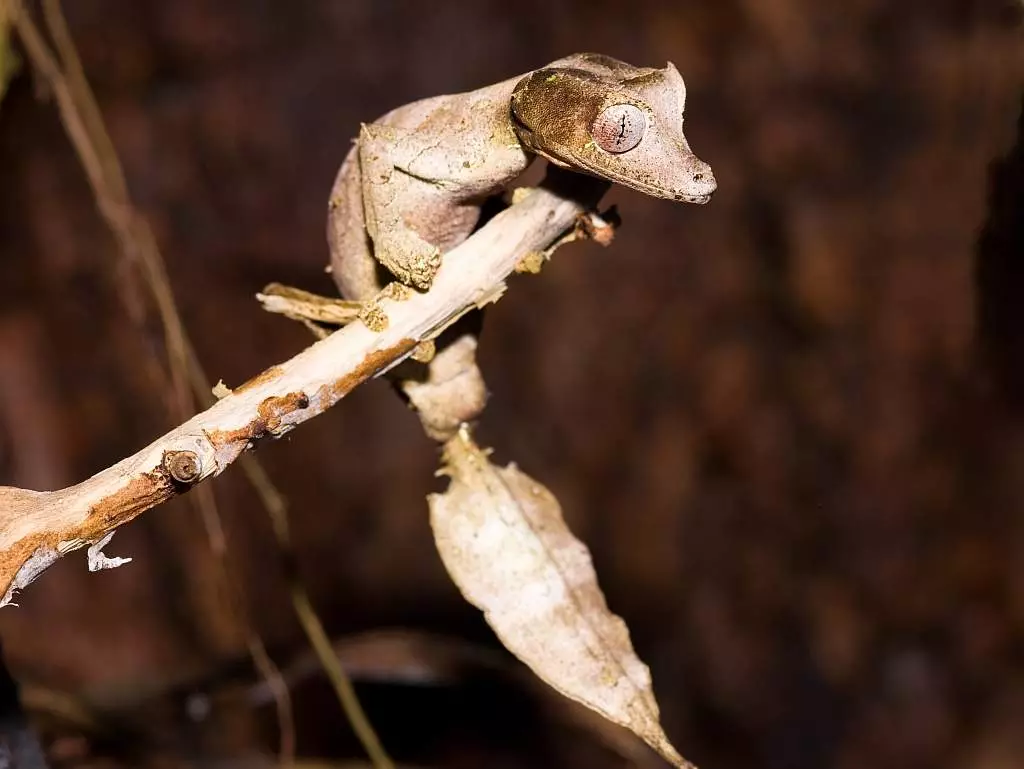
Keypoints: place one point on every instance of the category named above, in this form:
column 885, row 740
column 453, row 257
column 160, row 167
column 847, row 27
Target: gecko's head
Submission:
column 601, row 116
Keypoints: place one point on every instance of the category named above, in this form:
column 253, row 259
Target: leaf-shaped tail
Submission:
column 504, row 542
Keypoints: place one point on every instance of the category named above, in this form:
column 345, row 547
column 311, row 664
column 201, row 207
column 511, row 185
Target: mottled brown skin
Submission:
column 412, row 186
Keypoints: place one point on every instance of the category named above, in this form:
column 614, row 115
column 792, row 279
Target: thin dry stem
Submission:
column 340, row 681
column 92, row 142
column 133, row 231
column 8, row 61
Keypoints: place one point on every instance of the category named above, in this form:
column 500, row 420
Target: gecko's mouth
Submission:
column 698, row 199
column 666, row 193
column 582, row 164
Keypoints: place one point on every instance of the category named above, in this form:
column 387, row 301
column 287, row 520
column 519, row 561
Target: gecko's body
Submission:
column 412, row 186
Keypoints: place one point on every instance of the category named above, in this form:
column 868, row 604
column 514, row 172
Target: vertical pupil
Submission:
column 619, row 128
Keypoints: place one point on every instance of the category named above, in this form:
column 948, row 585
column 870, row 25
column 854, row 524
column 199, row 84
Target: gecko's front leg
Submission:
column 387, row 192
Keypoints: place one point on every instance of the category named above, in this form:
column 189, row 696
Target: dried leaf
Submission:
column 504, row 542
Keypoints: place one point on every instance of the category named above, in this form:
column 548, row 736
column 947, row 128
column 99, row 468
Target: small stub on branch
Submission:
column 183, row 466
column 220, row 390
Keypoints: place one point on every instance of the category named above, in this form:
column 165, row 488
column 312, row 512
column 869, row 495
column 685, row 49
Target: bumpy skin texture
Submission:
column 412, row 186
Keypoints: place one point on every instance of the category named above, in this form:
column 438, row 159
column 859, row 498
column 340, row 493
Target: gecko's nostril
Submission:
column 698, row 177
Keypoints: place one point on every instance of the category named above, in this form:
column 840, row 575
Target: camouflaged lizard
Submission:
column 412, row 186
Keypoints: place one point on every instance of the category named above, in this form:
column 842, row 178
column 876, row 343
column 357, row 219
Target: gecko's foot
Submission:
column 424, row 351
column 532, row 262
column 411, row 259
column 372, row 313
column 375, row 318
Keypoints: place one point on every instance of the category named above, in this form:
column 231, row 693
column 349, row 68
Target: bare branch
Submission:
column 38, row 527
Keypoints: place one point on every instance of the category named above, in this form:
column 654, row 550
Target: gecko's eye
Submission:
column 619, row 128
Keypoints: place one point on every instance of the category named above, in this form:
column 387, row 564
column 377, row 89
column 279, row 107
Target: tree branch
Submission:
column 38, row 527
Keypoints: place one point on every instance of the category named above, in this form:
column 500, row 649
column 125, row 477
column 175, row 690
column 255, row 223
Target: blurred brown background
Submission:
column 788, row 424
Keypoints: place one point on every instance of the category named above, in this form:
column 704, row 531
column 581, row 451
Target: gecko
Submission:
column 412, row 186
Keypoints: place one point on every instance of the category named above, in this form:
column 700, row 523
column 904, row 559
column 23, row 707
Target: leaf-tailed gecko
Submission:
column 412, row 186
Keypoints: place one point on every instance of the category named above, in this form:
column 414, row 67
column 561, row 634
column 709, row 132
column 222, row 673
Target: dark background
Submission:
column 788, row 424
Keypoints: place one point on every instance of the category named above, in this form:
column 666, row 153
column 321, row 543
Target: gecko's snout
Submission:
column 700, row 183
